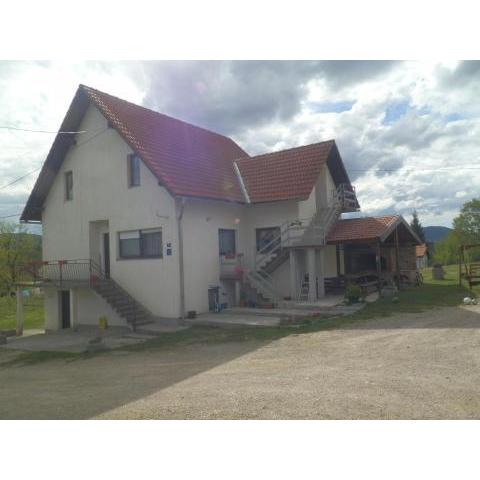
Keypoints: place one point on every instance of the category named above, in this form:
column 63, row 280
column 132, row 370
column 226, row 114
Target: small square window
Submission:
column 133, row 170
column 68, row 186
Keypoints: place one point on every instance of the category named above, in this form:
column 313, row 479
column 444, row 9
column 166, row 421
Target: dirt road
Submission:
column 415, row 366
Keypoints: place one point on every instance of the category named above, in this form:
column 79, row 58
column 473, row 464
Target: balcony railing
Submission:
column 231, row 266
column 59, row 273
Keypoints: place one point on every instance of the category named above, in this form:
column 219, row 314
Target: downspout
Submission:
column 179, row 216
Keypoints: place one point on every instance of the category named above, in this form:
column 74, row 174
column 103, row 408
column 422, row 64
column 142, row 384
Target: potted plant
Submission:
column 353, row 293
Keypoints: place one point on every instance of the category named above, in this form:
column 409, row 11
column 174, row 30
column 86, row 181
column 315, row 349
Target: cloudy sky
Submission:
column 408, row 132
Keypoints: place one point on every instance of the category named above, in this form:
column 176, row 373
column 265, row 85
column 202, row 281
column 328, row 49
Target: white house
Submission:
column 145, row 215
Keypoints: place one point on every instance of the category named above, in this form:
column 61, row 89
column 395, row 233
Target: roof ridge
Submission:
column 373, row 217
column 162, row 114
column 275, row 152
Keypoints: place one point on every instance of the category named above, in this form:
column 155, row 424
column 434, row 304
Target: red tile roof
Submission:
column 284, row 175
column 188, row 160
column 369, row 228
column 420, row 250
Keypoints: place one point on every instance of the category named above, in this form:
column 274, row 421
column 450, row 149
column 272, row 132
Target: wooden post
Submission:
column 19, row 331
column 460, row 257
column 397, row 260
column 378, row 259
column 337, row 255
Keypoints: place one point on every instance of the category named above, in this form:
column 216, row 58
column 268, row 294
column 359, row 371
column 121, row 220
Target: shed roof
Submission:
column 421, row 250
column 367, row 229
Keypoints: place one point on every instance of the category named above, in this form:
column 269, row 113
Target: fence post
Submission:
column 19, row 330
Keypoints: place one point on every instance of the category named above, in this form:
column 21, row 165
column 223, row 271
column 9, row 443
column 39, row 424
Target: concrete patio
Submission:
column 293, row 313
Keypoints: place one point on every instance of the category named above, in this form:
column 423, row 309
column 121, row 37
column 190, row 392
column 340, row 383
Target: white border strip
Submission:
column 240, row 179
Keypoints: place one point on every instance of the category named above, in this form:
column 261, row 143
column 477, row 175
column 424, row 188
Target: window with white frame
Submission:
column 140, row 243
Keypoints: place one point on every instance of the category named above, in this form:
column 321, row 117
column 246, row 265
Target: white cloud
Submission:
column 418, row 160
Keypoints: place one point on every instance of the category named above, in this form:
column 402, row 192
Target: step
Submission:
column 128, row 310
column 138, row 320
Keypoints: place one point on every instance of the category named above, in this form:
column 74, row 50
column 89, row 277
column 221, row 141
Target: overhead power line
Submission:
column 7, row 127
column 416, row 169
column 10, row 216
column 20, row 178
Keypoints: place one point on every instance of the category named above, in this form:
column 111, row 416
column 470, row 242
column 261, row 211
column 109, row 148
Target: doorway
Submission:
column 106, row 254
column 65, row 308
column 100, row 245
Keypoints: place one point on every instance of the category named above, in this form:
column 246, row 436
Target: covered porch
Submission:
column 378, row 253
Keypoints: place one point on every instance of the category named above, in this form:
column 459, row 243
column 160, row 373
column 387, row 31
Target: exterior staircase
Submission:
column 298, row 233
column 66, row 274
column 122, row 302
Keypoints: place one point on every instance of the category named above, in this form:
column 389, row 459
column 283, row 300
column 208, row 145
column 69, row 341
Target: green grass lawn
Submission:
column 433, row 293
column 32, row 311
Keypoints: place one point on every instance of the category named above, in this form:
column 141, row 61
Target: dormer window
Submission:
column 133, row 170
column 68, row 185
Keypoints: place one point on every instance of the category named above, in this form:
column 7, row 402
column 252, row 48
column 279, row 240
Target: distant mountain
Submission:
column 436, row 234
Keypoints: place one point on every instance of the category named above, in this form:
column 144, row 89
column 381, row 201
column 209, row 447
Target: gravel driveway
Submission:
column 410, row 366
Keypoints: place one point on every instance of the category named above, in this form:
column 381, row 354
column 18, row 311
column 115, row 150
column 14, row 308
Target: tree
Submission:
column 417, row 226
column 17, row 246
column 467, row 224
column 446, row 251
column 466, row 230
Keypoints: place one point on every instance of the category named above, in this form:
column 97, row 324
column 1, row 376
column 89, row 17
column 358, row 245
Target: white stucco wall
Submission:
column 91, row 307
column 201, row 221
column 308, row 208
column 324, row 188
column 51, row 307
column 101, row 193
column 103, row 202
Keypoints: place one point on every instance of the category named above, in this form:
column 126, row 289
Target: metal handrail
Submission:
column 64, row 273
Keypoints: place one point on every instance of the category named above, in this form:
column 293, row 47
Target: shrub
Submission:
column 353, row 293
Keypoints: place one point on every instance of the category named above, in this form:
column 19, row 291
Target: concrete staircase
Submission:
column 122, row 302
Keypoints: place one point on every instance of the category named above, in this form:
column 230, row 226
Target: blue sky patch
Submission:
column 395, row 111
column 453, row 117
column 331, row 107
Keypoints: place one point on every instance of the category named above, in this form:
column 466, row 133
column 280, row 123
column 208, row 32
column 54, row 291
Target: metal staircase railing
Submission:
column 297, row 233
column 66, row 274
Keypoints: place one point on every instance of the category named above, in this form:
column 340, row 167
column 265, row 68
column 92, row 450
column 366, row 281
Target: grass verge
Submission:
column 33, row 313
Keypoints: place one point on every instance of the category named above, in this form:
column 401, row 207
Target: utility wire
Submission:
column 458, row 167
column 19, row 178
column 10, row 216
column 7, row 127
column 36, row 169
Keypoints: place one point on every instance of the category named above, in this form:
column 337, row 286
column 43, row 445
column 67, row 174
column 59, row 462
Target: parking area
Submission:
column 406, row 366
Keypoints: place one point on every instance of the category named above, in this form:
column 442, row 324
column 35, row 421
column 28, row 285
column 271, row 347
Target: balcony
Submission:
column 231, row 266
column 61, row 274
